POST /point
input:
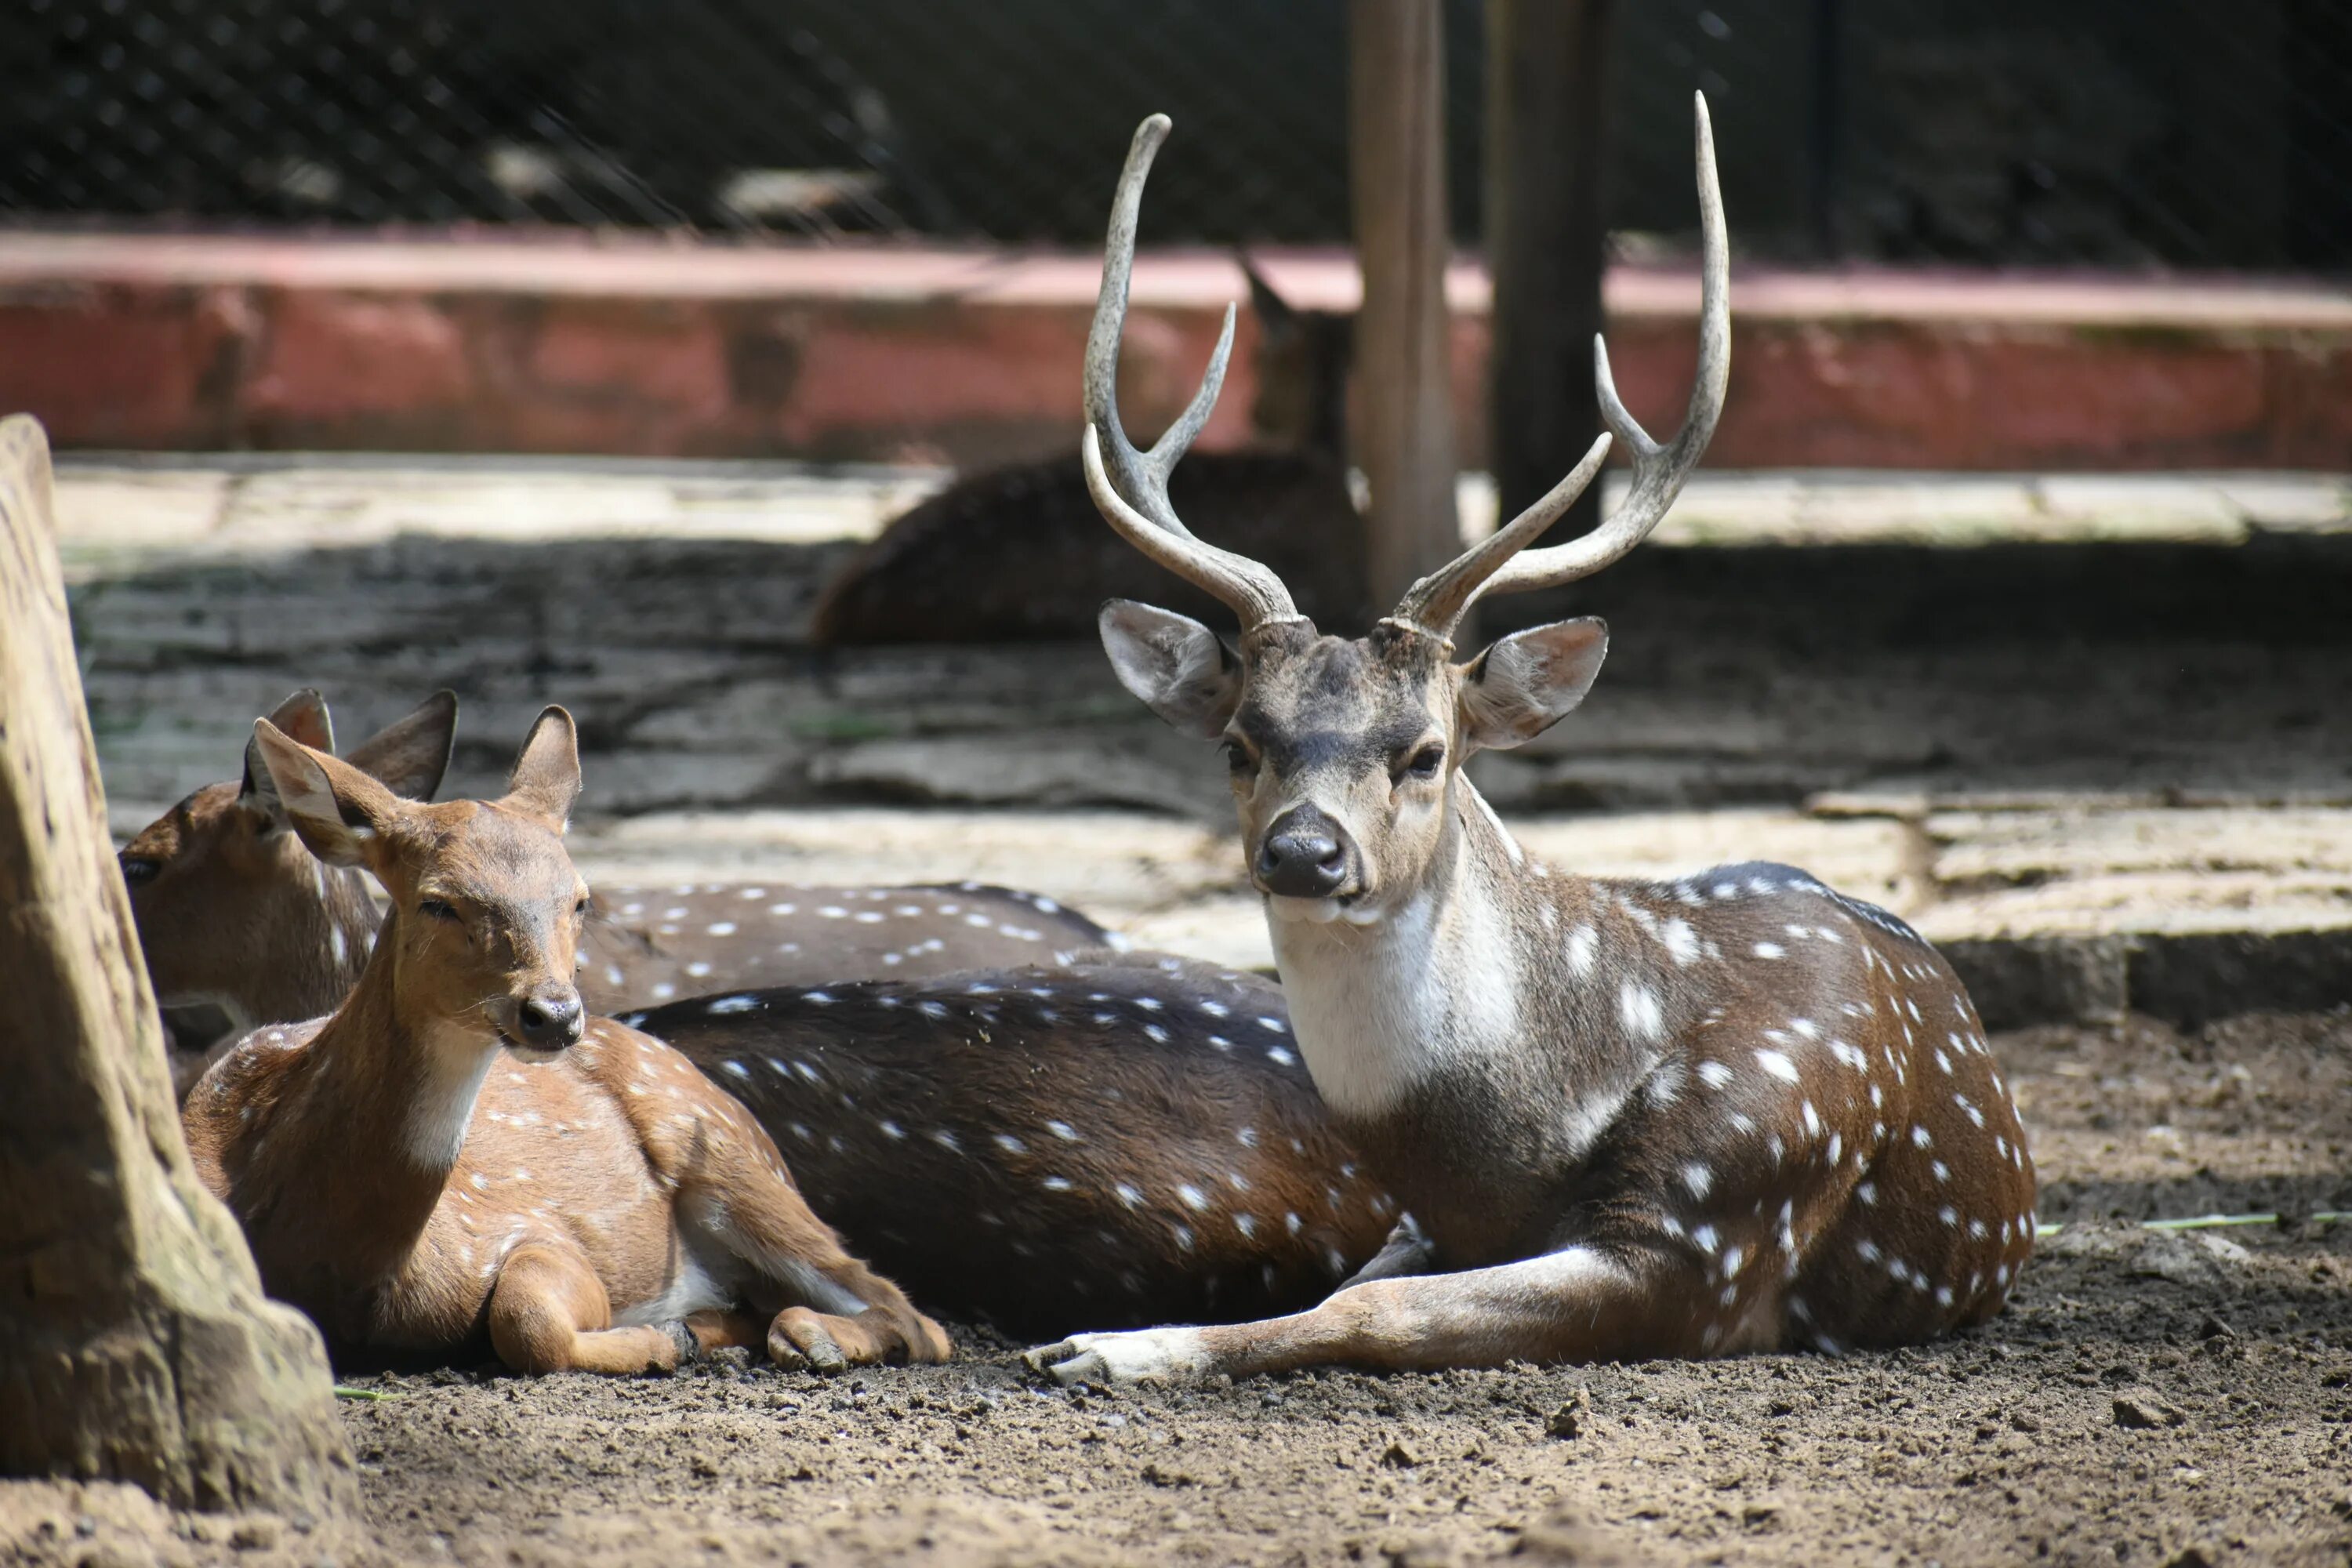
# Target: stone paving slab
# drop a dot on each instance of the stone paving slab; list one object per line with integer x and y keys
{"x": 2085, "y": 732}
{"x": 260, "y": 504}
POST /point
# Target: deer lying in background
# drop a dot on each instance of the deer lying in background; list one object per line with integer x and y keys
{"x": 460, "y": 1152}
{"x": 1125, "y": 1142}
{"x": 1018, "y": 552}
{"x": 654, "y": 944}
{"x": 241, "y": 925}
{"x": 1734, "y": 1112}
{"x": 236, "y": 918}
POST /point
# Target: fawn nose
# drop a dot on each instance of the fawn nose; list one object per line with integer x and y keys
{"x": 549, "y": 1020}
{"x": 1305, "y": 855}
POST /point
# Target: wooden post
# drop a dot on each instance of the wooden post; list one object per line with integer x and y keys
{"x": 135, "y": 1343}
{"x": 1546, "y": 101}
{"x": 1404, "y": 424}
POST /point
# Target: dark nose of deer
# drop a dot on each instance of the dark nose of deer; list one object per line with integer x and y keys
{"x": 1305, "y": 855}
{"x": 549, "y": 1020}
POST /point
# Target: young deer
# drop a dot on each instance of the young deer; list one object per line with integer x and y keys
{"x": 1018, "y": 552}
{"x": 460, "y": 1152}
{"x": 1734, "y": 1112}
{"x": 1127, "y": 1142}
{"x": 241, "y": 924}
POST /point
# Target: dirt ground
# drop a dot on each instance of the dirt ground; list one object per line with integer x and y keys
{"x": 2149, "y": 1397}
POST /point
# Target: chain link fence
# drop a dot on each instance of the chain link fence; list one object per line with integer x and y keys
{"x": 2136, "y": 132}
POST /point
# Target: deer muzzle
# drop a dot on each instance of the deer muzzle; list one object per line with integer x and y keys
{"x": 1305, "y": 855}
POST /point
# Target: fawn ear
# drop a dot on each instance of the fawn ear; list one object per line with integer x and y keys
{"x": 302, "y": 717}
{"x": 1274, "y": 313}
{"x": 1528, "y": 682}
{"x": 409, "y": 756}
{"x": 341, "y": 813}
{"x": 546, "y": 779}
{"x": 1180, "y": 669}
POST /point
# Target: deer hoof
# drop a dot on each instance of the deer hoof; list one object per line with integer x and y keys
{"x": 1156, "y": 1355}
{"x": 800, "y": 1342}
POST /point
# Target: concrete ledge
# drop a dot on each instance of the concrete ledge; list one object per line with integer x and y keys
{"x": 2183, "y": 979}
{"x": 149, "y": 342}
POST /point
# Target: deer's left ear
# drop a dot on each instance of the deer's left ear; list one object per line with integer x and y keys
{"x": 1528, "y": 682}
{"x": 546, "y": 779}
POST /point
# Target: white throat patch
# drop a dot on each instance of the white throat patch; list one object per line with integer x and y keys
{"x": 1379, "y": 1009}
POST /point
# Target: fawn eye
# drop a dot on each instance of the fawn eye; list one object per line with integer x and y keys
{"x": 138, "y": 868}
{"x": 1425, "y": 761}
{"x": 1237, "y": 757}
{"x": 581, "y": 909}
{"x": 437, "y": 909}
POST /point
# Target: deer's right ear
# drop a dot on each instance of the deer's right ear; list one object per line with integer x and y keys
{"x": 411, "y": 754}
{"x": 1180, "y": 669}
{"x": 340, "y": 812}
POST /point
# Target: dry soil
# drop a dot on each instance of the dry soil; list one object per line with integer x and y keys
{"x": 2150, "y": 1396}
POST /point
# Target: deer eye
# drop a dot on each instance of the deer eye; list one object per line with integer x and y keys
{"x": 1238, "y": 758}
{"x": 138, "y": 868}
{"x": 581, "y": 909}
{"x": 1424, "y": 763}
{"x": 437, "y": 909}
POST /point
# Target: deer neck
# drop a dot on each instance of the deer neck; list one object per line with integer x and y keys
{"x": 1432, "y": 989}
{"x": 321, "y": 933}
{"x": 393, "y": 1094}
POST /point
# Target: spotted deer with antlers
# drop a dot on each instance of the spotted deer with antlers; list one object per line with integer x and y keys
{"x": 1730, "y": 1113}
{"x": 461, "y": 1154}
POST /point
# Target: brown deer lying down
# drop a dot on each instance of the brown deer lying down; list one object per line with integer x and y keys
{"x": 241, "y": 925}
{"x": 1019, "y": 553}
{"x": 1125, "y": 1142}
{"x": 1736, "y": 1111}
{"x": 460, "y": 1152}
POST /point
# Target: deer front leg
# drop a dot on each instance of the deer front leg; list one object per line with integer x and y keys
{"x": 1578, "y": 1304}
{"x": 842, "y": 1313}
{"x": 549, "y": 1312}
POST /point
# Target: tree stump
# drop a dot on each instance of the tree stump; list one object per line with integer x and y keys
{"x": 135, "y": 1343}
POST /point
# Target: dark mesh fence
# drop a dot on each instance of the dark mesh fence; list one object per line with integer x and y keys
{"x": 2183, "y": 132}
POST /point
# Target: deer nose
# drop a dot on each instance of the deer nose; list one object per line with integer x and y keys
{"x": 1305, "y": 855}
{"x": 549, "y": 1020}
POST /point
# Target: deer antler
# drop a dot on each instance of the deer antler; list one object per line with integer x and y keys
{"x": 1437, "y": 603}
{"x": 1130, "y": 487}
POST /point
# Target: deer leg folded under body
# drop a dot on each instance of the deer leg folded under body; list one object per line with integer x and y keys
{"x": 549, "y": 1312}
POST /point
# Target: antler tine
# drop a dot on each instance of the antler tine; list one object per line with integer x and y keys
{"x": 1141, "y": 476}
{"x": 1437, "y": 603}
{"x": 1249, "y": 589}
{"x": 1130, "y": 487}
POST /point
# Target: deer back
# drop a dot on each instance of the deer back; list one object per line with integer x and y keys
{"x": 1134, "y": 1142}
{"x": 648, "y": 946}
{"x": 1020, "y": 554}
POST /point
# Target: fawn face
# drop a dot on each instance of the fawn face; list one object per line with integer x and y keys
{"x": 1343, "y": 752}
{"x": 229, "y": 903}
{"x": 207, "y": 877}
{"x": 487, "y": 907}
